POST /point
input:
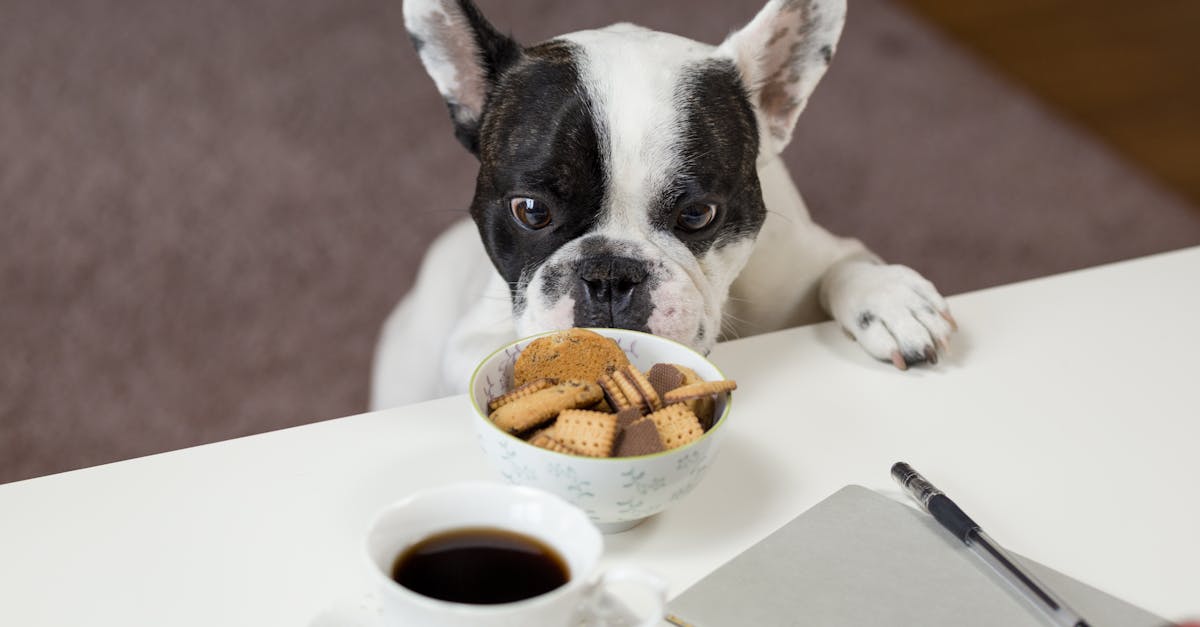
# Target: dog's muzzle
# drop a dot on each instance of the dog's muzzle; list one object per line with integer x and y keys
{"x": 612, "y": 291}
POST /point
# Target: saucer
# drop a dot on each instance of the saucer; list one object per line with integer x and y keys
{"x": 367, "y": 611}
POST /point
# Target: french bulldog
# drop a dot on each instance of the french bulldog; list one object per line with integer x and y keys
{"x": 632, "y": 178}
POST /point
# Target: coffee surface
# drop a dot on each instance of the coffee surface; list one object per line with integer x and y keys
{"x": 481, "y": 566}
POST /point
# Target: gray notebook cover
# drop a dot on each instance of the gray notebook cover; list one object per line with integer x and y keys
{"x": 858, "y": 558}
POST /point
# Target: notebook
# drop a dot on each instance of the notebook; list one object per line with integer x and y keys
{"x": 858, "y": 558}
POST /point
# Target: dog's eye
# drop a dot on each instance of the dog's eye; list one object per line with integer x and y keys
{"x": 696, "y": 216}
{"x": 533, "y": 214}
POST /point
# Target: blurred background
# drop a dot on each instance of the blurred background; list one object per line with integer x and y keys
{"x": 207, "y": 209}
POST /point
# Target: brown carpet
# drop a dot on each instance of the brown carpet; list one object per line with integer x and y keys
{"x": 208, "y": 208}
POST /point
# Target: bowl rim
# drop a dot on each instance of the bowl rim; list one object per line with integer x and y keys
{"x": 717, "y": 424}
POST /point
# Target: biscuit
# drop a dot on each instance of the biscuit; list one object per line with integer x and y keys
{"x": 544, "y": 439}
{"x": 704, "y": 406}
{"x": 677, "y": 425}
{"x": 541, "y": 406}
{"x": 547, "y": 431}
{"x": 689, "y": 375}
{"x": 591, "y": 433}
{"x": 639, "y": 438}
{"x": 629, "y": 389}
{"x": 664, "y": 378}
{"x": 574, "y": 354}
{"x": 650, "y": 397}
{"x": 700, "y": 390}
{"x": 536, "y": 385}
{"x": 625, "y": 417}
{"x": 614, "y": 395}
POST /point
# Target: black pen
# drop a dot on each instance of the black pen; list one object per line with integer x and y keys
{"x": 958, "y": 523}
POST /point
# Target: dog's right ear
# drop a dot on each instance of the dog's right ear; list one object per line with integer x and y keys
{"x": 464, "y": 55}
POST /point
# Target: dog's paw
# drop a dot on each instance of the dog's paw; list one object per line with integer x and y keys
{"x": 894, "y": 313}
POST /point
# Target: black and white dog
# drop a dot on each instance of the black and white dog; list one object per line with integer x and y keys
{"x": 631, "y": 178}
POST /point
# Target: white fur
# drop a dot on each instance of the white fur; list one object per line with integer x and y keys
{"x": 448, "y": 53}
{"x": 457, "y": 312}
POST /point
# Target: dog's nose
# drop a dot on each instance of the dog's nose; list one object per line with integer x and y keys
{"x": 608, "y": 285}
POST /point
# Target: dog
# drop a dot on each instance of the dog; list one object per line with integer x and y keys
{"x": 632, "y": 178}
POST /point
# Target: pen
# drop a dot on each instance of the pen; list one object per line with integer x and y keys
{"x": 982, "y": 545}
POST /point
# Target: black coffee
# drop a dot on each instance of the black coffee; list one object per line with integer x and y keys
{"x": 482, "y": 566}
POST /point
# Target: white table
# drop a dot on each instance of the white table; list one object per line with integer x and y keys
{"x": 1067, "y": 423}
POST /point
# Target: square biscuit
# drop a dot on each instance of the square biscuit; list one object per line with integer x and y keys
{"x": 591, "y": 433}
{"x": 639, "y": 438}
{"x": 677, "y": 425}
{"x": 545, "y": 439}
{"x": 626, "y": 417}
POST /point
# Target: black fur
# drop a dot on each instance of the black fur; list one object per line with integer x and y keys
{"x": 537, "y": 139}
{"x": 719, "y": 145}
{"x": 497, "y": 54}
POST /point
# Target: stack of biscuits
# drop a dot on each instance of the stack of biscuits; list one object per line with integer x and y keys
{"x": 576, "y": 392}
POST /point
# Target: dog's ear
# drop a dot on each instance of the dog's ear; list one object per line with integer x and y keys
{"x": 781, "y": 54}
{"x": 464, "y": 55}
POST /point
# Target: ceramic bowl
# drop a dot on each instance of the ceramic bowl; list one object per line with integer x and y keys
{"x": 616, "y": 493}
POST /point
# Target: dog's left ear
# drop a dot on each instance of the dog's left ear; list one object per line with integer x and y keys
{"x": 464, "y": 54}
{"x": 781, "y": 55}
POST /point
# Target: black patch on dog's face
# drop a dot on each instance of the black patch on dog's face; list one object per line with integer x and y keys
{"x": 539, "y": 140}
{"x": 719, "y": 148}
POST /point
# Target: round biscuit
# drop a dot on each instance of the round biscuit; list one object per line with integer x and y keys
{"x": 574, "y": 354}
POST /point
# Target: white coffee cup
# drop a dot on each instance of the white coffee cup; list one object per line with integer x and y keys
{"x": 528, "y": 511}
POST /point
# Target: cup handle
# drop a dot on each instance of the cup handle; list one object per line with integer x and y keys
{"x": 605, "y": 609}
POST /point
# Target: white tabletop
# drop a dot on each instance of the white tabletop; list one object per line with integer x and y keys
{"x": 1067, "y": 423}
